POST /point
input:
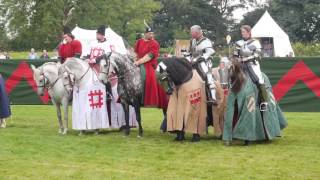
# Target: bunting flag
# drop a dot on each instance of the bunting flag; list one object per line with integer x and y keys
{"x": 295, "y": 81}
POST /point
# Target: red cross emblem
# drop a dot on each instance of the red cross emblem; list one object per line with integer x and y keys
{"x": 96, "y": 99}
{"x": 195, "y": 97}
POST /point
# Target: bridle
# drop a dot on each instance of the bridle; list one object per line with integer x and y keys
{"x": 46, "y": 82}
{"x": 107, "y": 73}
{"x": 70, "y": 81}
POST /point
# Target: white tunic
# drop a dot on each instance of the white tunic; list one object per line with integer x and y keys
{"x": 89, "y": 110}
{"x": 99, "y": 48}
{"x": 117, "y": 112}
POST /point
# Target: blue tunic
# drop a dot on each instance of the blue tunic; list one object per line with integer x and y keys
{"x": 4, "y": 101}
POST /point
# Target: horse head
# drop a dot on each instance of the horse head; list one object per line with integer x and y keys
{"x": 68, "y": 76}
{"x": 236, "y": 76}
{"x": 108, "y": 66}
{"x": 40, "y": 79}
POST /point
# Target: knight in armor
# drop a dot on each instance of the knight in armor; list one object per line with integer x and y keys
{"x": 201, "y": 51}
{"x": 248, "y": 52}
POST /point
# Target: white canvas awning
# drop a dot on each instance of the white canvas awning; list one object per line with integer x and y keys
{"x": 266, "y": 27}
{"x": 86, "y": 36}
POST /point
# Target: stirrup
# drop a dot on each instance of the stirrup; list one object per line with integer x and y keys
{"x": 211, "y": 101}
{"x": 263, "y": 106}
{"x": 109, "y": 96}
{"x": 169, "y": 91}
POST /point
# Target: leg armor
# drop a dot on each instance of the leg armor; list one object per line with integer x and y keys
{"x": 204, "y": 69}
{"x": 256, "y": 76}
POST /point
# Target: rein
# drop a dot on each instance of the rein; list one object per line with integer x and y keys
{"x": 108, "y": 71}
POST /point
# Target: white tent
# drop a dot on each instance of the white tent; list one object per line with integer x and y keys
{"x": 87, "y": 36}
{"x": 266, "y": 27}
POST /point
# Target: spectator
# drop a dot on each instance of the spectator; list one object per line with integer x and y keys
{"x": 44, "y": 55}
{"x": 4, "y": 55}
{"x": 32, "y": 54}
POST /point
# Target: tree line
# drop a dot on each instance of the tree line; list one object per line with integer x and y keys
{"x": 39, "y": 23}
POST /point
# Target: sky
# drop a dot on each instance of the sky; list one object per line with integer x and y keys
{"x": 238, "y": 14}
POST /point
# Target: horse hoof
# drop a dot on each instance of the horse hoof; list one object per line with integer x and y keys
{"x": 60, "y": 131}
{"x": 65, "y": 131}
{"x": 140, "y": 135}
{"x": 126, "y": 132}
{"x": 80, "y": 133}
{"x": 246, "y": 143}
{"x": 227, "y": 143}
{"x": 3, "y": 124}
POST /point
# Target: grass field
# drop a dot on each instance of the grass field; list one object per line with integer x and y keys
{"x": 24, "y": 54}
{"x": 30, "y": 148}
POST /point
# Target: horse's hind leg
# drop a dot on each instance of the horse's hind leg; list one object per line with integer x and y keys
{"x": 138, "y": 117}
{"x": 126, "y": 115}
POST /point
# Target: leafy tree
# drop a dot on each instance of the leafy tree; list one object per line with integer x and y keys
{"x": 299, "y": 18}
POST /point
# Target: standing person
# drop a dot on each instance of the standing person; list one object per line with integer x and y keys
{"x": 69, "y": 47}
{"x": 147, "y": 50}
{"x": 98, "y": 48}
{"x": 44, "y": 55}
{"x": 5, "y": 111}
{"x": 248, "y": 51}
{"x": 201, "y": 51}
{"x": 32, "y": 54}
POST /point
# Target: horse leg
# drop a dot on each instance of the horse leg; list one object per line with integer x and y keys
{"x": 163, "y": 127}
{"x": 65, "y": 104}
{"x": 138, "y": 117}
{"x": 3, "y": 123}
{"x": 126, "y": 115}
{"x": 59, "y": 117}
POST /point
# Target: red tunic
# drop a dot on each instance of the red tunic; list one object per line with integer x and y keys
{"x": 154, "y": 95}
{"x": 69, "y": 50}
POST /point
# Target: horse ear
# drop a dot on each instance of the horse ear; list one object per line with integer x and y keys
{"x": 33, "y": 67}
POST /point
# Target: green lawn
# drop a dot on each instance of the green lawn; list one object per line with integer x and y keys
{"x": 30, "y": 148}
{"x": 25, "y": 54}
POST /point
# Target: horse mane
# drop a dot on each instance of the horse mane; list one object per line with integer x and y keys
{"x": 179, "y": 69}
{"x": 237, "y": 76}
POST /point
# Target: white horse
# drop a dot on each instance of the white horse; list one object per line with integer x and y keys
{"x": 76, "y": 72}
{"x": 47, "y": 77}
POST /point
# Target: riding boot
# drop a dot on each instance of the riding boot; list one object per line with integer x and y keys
{"x": 195, "y": 138}
{"x": 264, "y": 97}
{"x": 180, "y": 136}
{"x": 211, "y": 96}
